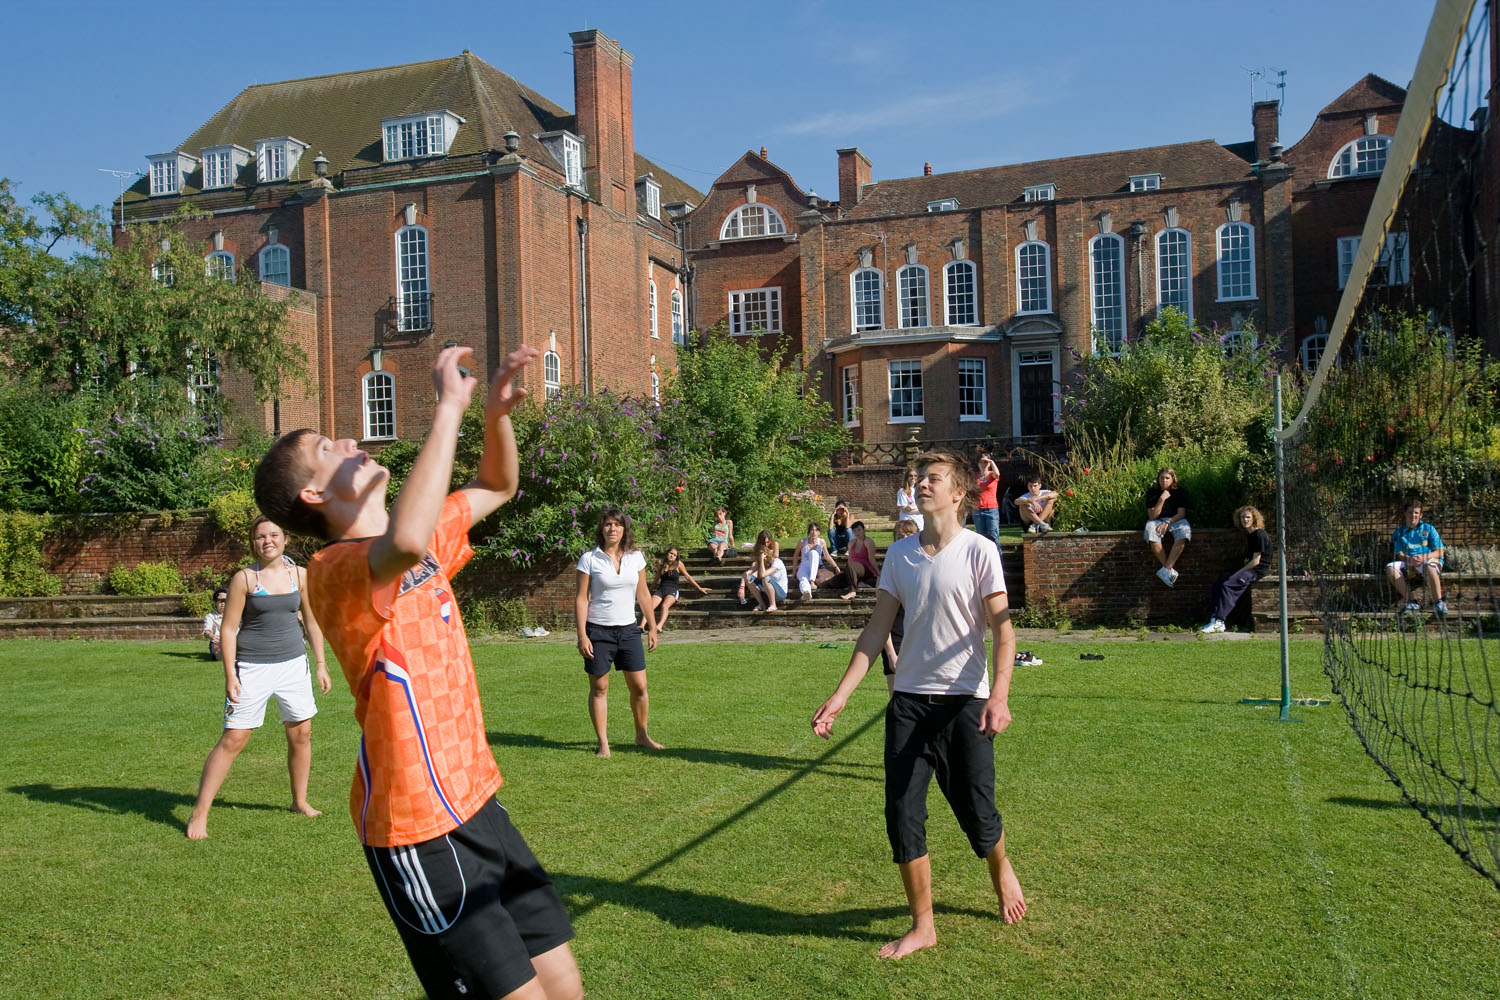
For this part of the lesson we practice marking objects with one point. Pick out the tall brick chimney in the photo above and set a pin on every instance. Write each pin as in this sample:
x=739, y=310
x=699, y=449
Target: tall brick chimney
x=1264, y=120
x=855, y=171
x=603, y=104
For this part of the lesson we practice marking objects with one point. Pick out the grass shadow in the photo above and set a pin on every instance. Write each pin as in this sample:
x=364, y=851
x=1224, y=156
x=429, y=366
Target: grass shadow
x=1360, y=802
x=201, y=657
x=153, y=804
x=695, y=755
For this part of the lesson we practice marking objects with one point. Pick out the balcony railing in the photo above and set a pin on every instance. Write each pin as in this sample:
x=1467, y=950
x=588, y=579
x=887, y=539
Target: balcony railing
x=410, y=314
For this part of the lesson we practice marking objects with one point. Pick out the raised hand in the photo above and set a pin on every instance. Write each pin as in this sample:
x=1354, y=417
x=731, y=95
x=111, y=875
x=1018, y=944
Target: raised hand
x=504, y=393
x=453, y=382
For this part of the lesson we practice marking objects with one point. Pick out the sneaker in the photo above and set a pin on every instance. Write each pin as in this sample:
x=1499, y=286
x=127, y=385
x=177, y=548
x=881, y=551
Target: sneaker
x=1031, y=529
x=1414, y=606
x=539, y=633
x=1441, y=609
x=1167, y=576
x=1214, y=625
x=1028, y=659
x=1043, y=527
x=528, y=631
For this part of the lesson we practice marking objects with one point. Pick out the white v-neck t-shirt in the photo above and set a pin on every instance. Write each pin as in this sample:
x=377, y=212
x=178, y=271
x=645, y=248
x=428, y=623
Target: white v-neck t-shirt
x=611, y=594
x=943, y=596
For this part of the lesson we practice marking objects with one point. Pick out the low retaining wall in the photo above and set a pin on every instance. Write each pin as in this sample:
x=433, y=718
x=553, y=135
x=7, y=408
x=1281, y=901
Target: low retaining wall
x=82, y=550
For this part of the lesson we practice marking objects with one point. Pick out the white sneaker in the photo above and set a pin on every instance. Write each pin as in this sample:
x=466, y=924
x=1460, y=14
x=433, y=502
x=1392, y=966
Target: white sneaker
x=528, y=631
x=1043, y=527
x=539, y=632
x=1166, y=576
x=1214, y=625
x=1031, y=529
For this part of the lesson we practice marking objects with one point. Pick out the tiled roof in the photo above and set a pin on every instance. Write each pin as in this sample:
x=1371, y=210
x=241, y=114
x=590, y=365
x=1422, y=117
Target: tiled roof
x=1186, y=164
x=1370, y=92
x=339, y=115
x=673, y=188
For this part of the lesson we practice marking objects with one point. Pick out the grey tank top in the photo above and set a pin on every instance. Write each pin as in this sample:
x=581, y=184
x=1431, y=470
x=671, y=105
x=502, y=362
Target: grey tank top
x=269, y=629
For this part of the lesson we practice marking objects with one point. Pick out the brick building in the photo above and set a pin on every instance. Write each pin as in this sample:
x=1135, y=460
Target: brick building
x=434, y=202
x=951, y=306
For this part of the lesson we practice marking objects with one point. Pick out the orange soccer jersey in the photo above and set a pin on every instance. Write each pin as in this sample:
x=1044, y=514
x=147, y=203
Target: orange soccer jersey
x=424, y=763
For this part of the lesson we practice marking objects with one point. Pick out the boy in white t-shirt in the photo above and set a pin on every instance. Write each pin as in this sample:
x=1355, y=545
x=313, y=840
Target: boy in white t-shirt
x=943, y=712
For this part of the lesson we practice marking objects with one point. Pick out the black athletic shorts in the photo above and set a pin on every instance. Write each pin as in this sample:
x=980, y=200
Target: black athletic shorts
x=619, y=645
x=472, y=906
x=898, y=633
x=928, y=735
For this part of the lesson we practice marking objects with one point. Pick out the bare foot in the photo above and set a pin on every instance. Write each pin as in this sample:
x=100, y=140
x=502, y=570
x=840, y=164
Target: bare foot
x=307, y=810
x=603, y=750
x=1012, y=901
x=642, y=740
x=913, y=940
x=197, y=828
x=847, y=597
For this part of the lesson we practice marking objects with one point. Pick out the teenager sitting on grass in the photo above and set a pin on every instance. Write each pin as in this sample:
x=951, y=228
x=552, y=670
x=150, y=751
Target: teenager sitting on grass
x=943, y=712
x=1166, y=512
x=476, y=911
x=1229, y=589
x=1419, y=553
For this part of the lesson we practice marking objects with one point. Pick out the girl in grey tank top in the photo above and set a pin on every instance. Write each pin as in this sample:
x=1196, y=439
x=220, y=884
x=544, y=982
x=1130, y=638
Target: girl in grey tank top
x=265, y=659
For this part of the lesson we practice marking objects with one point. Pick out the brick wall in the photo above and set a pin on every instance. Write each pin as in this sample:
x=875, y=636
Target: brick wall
x=548, y=590
x=84, y=549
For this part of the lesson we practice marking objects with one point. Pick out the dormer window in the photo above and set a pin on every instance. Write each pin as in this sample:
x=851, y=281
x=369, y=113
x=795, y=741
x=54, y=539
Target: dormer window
x=752, y=220
x=276, y=159
x=567, y=149
x=413, y=136
x=1145, y=182
x=168, y=171
x=222, y=164
x=943, y=205
x=1040, y=192
x=648, y=195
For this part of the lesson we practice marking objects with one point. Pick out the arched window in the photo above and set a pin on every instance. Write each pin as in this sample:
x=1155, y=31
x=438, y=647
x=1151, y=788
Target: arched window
x=679, y=327
x=551, y=375
x=752, y=220
x=276, y=265
x=1107, y=292
x=1364, y=157
x=911, y=295
x=379, y=389
x=413, y=297
x=652, y=288
x=1034, y=277
x=1312, y=350
x=961, y=302
x=867, y=287
x=219, y=264
x=1236, y=242
x=1174, y=270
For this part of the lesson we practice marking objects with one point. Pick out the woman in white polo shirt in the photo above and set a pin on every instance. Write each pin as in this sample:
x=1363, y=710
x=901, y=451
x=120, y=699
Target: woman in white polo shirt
x=611, y=583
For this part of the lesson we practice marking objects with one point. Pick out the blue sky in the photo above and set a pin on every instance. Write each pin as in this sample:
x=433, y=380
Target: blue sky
x=101, y=84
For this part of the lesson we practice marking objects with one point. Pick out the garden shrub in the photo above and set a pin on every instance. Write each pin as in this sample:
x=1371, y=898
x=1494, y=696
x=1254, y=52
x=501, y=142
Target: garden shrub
x=233, y=512
x=21, y=557
x=491, y=615
x=198, y=602
x=147, y=579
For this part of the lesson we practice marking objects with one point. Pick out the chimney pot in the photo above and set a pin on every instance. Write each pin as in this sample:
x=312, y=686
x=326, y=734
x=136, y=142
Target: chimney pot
x=763, y=153
x=320, y=165
x=512, y=141
x=927, y=170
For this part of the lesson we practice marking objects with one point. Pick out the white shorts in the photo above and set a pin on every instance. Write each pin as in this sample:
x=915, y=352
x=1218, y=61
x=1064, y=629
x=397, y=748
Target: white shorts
x=1178, y=529
x=289, y=682
x=1400, y=568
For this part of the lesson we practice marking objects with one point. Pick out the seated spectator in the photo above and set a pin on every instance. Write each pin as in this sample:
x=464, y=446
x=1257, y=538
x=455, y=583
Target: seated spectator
x=1229, y=589
x=760, y=580
x=1167, y=511
x=1036, y=506
x=213, y=624
x=862, y=564
x=812, y=553
x=1419, y=554
x=721, y=536
x=840, y=529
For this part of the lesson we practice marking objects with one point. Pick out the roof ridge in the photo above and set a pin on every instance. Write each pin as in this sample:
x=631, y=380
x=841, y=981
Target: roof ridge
x=1055, y=159
x=489, y=108
x=350, y=72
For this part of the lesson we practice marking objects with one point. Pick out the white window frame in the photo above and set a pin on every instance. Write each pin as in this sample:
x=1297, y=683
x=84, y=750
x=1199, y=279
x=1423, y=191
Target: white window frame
x=1311, y=351
x=679, y=323
x=218, y=169
x=551, y=375
x=913, y=297
x=163, y=274
x=968, y=366
x=740, y=325
x=1237, y=255
x=956, y=302
x=414, y=284
x=220, y=265
x=1395, y=259
x=204, y=390
x=1354, y=158
x=276, y=251
x=165, y=177
x=1183, y=301
x=572, y=150
x=415, y=137
x=768, y=222
x=943, y=205
x=373, y=421
x=1145, y=182
x=849, y=394
x=875, y=301
x=912, y=388
x=651, y=288
x=1107, y=317
x=1026, y=274
x=655, y=386
x=1039, y=192
x=653, y=199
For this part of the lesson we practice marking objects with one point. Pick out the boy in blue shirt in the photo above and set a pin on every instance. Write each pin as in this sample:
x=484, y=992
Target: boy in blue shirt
x=1419, y=552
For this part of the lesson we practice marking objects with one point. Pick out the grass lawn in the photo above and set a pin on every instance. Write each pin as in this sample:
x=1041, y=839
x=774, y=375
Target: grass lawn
x=1172, y=842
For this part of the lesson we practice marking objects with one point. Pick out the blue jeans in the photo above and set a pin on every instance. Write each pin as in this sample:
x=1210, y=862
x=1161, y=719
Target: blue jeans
x=987, y=523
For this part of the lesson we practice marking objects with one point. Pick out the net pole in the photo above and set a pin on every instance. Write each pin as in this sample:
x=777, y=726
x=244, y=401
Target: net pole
x=1286, y=652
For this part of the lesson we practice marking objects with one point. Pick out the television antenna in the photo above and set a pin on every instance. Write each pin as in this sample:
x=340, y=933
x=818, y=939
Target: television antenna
x=124, y=177
x=1271, y=77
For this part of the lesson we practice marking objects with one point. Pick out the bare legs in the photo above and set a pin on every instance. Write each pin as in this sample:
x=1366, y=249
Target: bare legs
x=1007, y=886
x=916, y=879
x=1430, y=571
x=299, y=764
x=1168, y=560
x=640, y=708
x=222, y=757
x=665, y=605
x=856, y=570
x=556, y=977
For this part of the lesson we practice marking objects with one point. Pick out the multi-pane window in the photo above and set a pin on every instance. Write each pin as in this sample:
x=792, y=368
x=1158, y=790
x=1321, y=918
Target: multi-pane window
x=679, y=325
x=911, y=294
x=752, y=220
x=1040, y=192
x=1145, y=182
x=1174, y=270
x=943, y=205
x=869, y=310
x=849, y=394
x=653, y=199
x=906, y=390
x=1034, y=277
x=552, y=375
x=219, y=264
x=755, y=310
x=164, y=176
x=163, y=274
x=1236, y=261
x=203, y=392
x=651, y=288
x=380, y=406
x=971, y=389
x=655, y=386
x=276, y=265
x=1393, y=267
x=1312, y=350
x=1107, y=291
x=962, y=308
x=573, y=161
x=423, y=136
x=270, y=162
x=1363, y=157
x=413, y=301
x=218, y=169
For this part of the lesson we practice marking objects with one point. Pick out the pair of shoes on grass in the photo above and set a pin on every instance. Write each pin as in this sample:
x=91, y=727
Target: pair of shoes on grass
x=1214, y=625
x=1167, y=576
x=534, y=633
x=1027, y=658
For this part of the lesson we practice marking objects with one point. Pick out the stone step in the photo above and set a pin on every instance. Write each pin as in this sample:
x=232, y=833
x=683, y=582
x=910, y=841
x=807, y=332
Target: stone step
x=103, y=627
x=90, y=606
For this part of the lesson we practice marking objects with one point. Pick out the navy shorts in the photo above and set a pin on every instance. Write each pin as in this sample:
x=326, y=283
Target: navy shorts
x=473, y=906
x=617, y=645
x=928, y=735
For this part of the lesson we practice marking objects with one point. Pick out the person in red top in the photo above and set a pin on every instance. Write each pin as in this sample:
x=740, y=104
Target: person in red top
x=987, y=511
x=478, y=914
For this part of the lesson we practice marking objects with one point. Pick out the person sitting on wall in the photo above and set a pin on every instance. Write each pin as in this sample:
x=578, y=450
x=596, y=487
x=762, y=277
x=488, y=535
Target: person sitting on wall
x=1037, y=507
x=1419, y=553
x=1166, y=511
x=1229, y=589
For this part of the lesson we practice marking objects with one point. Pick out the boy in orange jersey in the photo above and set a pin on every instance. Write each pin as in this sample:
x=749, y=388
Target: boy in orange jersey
x=476, y=911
